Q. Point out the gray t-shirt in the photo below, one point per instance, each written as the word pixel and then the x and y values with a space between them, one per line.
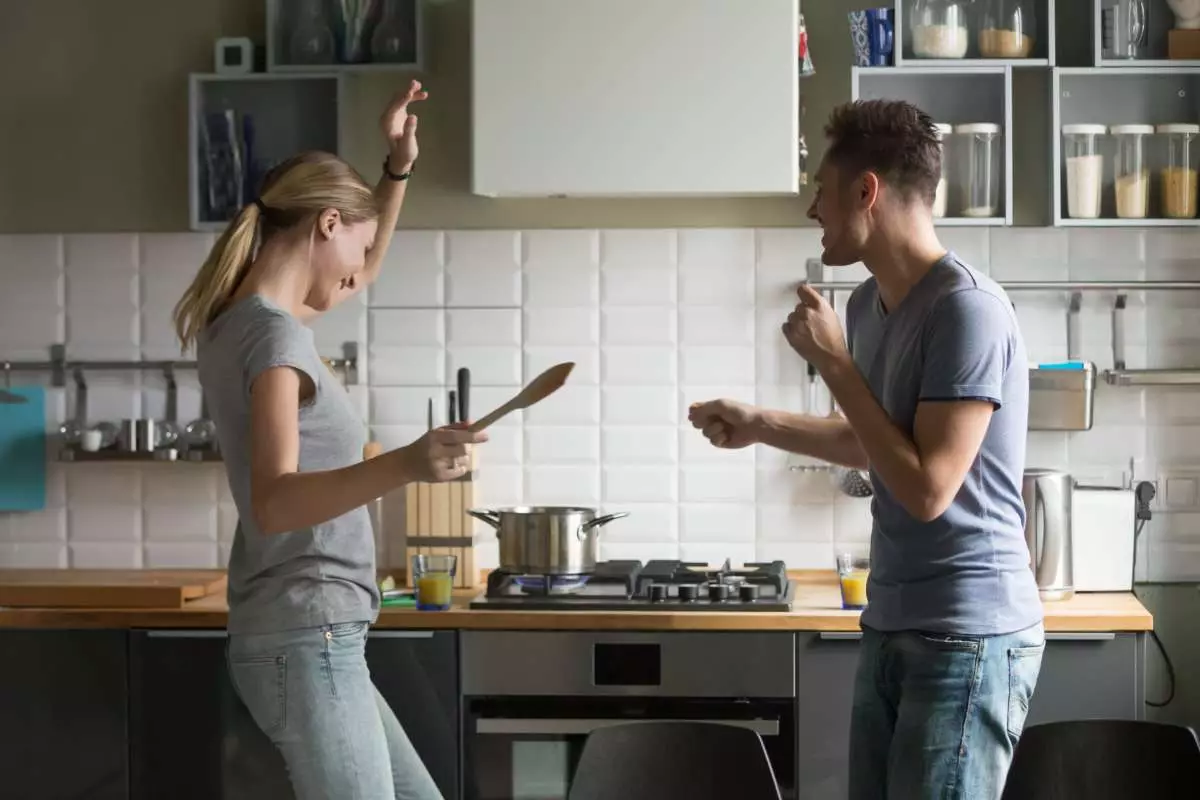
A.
pixel 305 578
pixel 953 337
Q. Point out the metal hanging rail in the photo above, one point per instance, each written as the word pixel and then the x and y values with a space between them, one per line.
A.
pixel 1051 286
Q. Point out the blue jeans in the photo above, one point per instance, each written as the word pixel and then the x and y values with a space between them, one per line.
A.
pixel 939 716
pixel 310 692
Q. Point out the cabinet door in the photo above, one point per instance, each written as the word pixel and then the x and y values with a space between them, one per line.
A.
pixel 417 673
pixel 635 97
pixel 825 668
pixel 192 739
pixel 1090 676
pixel 63 715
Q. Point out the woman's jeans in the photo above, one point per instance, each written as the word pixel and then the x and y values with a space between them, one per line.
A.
pixel 939 716
pixel 310 692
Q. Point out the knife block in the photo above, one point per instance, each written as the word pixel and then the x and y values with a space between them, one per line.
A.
pixel 436 523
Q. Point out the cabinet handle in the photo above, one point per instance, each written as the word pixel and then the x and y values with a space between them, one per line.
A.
pixel 840 636
pixel 401 634
pixel 580 727
pixel 1097 636
pixel 186 634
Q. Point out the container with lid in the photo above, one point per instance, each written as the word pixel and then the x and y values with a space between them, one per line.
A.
pixel 979 175
pixel 1131 171
pixel 1179 174
pixel 1084 169
pixel 1007 29
pixel 938 28
pixel 939 197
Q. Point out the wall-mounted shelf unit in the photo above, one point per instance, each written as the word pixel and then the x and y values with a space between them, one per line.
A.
pixel 239 126
pixel 1153 52
pixel 956 96
pixel 311 36
pixel 1111 96
pixel 918 45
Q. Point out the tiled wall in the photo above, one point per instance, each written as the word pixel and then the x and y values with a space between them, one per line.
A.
pixel 654 319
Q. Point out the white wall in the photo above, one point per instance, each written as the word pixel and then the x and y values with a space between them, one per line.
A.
pixel 655 319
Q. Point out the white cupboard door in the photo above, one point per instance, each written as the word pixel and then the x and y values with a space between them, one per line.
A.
pixel 635 97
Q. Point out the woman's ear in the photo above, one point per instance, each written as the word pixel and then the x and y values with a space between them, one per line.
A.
pixel 328 222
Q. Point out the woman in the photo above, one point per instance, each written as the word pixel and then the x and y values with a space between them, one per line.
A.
pixel 302 582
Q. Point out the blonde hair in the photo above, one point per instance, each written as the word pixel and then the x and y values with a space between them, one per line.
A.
pixel 293 194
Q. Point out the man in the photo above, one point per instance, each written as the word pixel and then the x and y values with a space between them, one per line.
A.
pixel 934 391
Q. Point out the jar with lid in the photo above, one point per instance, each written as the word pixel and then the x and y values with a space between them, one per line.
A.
pixel 1084 169
pixel 1007 29
pixel 938 28
pixel 939 197
pixel 1179 174
pixel 979 177
pixel 1131 170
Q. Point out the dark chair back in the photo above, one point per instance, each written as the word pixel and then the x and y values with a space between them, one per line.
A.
pixel 674 761
pixel 1105 760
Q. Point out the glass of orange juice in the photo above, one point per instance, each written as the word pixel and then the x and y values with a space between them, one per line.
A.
pixel 433 577
pixel 854 567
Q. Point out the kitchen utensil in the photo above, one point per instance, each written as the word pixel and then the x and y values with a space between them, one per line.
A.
pixel 23 451
pixel 1102 540
pixel 547 540
pixel 429 416
pixel 201 432
pixel 1061 396
pixel 464 394
pixel 1047 495
pixel 850 481
pixel 452 408
pixel 537 390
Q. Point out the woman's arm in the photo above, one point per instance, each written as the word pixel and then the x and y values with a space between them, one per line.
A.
pixel 285 499
pixel 400 130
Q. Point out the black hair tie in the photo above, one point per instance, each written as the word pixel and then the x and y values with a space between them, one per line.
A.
pixel 262 207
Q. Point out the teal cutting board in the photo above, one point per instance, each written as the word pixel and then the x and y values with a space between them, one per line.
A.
pixel 23 450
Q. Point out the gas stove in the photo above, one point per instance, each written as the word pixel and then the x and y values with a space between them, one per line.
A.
pixel 653 586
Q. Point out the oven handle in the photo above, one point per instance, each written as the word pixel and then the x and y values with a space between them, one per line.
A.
pixel 575 727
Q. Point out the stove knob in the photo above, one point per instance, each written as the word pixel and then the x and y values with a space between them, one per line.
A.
pixel 658 592
pixel 719 592
pixel 748 592
pixel 687 592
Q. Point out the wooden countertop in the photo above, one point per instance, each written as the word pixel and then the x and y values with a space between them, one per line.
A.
pixel 817 608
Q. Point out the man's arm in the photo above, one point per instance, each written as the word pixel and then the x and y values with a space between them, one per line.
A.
pixel 827 438
pixel 967 352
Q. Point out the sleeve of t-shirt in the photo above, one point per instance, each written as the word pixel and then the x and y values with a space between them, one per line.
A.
pixel 968 348
pixel 278 341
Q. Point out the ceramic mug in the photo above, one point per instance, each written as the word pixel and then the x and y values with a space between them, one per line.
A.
pixel 871 32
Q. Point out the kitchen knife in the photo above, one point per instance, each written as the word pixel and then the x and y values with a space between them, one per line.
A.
pixel 429 415
pixel 452 409
pixel 464 394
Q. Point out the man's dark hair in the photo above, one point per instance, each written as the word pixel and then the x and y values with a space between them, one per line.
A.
pixel 892 138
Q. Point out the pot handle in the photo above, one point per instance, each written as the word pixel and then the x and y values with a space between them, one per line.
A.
pixel 604 520
pixel 483 515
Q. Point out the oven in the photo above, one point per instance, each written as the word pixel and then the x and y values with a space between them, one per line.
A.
pixel 532 698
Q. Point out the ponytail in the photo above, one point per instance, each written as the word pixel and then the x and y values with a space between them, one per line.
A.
pixel 218 278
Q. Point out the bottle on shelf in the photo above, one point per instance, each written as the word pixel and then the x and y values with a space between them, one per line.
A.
pixel 979 173
pixel 394 40
pixel 1179 175
pixel 311 39
pixel 1084 168
pixel 1131 171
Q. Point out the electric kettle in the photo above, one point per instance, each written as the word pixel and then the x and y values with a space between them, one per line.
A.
pixel 1047 495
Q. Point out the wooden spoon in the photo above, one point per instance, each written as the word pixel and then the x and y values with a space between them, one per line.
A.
pixel 536 391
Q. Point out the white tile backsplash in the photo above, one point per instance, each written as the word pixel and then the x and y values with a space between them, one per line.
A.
pixel 655 319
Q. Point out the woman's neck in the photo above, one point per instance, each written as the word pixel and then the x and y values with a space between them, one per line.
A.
pixel 280 275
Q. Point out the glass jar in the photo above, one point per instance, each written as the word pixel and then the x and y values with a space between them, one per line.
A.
pixel 1007 29
pixel 1131 171
pixel 1179 174
pixel 394 39
pixel 1084 169
pixel 979 176
pixel 938 28
pixel 939 197
pixel 311 39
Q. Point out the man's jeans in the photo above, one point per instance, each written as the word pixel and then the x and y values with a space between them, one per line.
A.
pixel 309 690
pixel 938 717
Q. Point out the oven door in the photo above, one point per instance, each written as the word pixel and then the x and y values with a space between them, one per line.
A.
pixel 529 748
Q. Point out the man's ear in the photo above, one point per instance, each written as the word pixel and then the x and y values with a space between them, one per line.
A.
pixel 869 188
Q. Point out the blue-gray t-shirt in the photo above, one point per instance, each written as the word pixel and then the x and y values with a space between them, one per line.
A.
pixel 953 337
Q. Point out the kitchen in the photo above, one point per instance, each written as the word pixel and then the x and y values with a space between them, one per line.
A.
pixel 659 301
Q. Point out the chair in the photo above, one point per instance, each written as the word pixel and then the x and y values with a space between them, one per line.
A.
pixel 1105 760
pixel 674 761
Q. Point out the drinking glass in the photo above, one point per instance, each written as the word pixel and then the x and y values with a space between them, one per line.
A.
pixel 433 577
pixel 854 567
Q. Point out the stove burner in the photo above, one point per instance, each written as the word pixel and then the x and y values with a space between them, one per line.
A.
pixel 551 584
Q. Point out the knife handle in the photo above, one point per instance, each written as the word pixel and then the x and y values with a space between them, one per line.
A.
pixel 452 409
pixel 464 394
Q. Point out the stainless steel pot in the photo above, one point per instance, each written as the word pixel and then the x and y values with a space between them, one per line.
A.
pixel 547 540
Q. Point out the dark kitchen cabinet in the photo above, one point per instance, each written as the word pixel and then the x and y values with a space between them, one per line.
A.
pixel 191 737
pixel 1083 676
pixel 825 669
pixel 417 673
pixel 63 715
